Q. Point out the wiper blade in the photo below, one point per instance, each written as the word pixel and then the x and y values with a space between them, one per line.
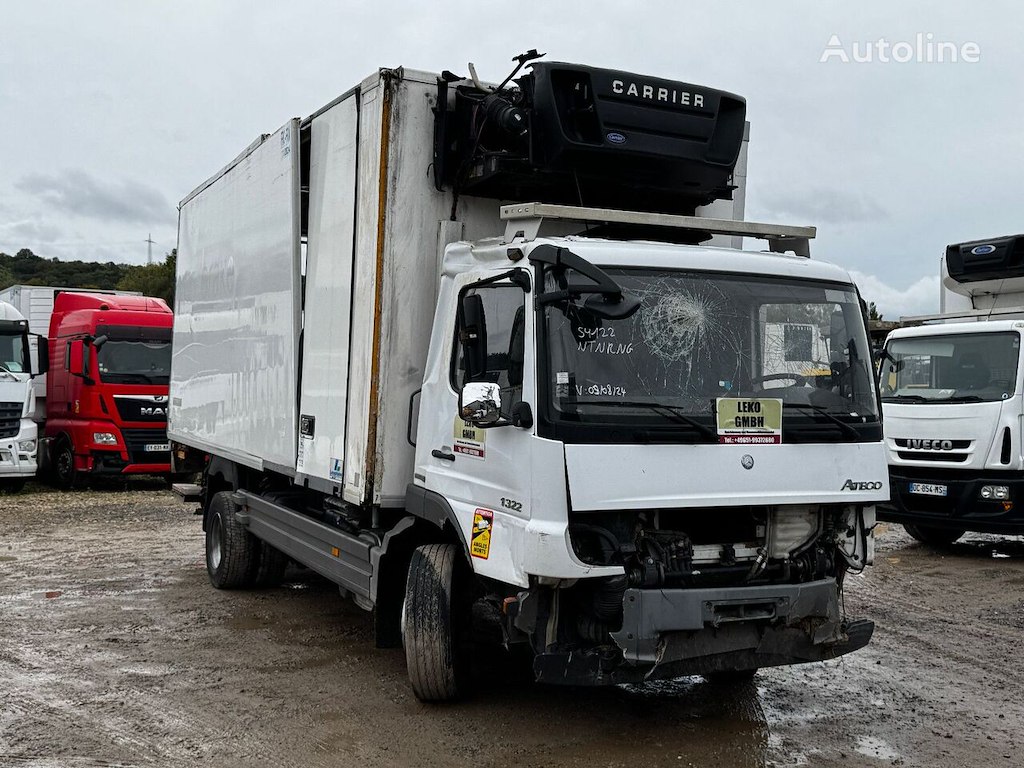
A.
pixel 906 399
pixel 848 429
pixel 669 410
pixel 961 399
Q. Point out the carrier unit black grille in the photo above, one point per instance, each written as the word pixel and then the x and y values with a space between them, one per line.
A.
pixel 994 259
pixel 136 441
pixel 10 419
pixel 579 135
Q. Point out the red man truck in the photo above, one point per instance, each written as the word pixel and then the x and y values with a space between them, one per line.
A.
pixel 106 391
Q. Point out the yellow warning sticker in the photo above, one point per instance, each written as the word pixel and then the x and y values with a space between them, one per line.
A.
pixel 480 536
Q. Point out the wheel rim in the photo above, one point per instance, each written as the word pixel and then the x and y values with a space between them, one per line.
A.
pixel 65 464
pixel 215 544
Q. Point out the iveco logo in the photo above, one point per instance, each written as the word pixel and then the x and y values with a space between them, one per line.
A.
pixel 982 250
pixel 930 445
pixel 856 485
pixel 154 411
pixel 616 138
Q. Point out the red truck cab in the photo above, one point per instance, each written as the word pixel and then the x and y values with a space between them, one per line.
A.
pixel 106 391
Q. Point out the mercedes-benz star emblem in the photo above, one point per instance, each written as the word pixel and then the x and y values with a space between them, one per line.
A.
pixel 747 461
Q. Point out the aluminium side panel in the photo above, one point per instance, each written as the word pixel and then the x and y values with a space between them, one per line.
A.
pixel 237 309
pixel 364 291
pixel 328 298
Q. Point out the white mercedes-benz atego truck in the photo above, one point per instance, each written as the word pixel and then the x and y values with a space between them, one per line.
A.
pixel 460 349
pixel 953 396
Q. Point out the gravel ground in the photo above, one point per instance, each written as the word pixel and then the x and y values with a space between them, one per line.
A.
pixel 115 650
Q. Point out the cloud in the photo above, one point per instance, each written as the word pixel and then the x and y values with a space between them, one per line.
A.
pixel 79 193
pixel 821 204
pixel 34 230
pixel 920 298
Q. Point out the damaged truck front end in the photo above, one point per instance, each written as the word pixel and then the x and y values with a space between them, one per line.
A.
pixel 687 605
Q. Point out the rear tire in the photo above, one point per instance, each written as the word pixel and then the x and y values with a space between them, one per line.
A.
pixel 231 551
pixel 436 622
pixel 271 564
pixel 937 537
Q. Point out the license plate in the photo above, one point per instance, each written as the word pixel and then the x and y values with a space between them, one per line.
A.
pixel 928 489
pixel 157 447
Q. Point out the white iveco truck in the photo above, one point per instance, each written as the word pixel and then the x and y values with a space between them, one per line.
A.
pixel 19 442
pixel 553 422
pixel 954 407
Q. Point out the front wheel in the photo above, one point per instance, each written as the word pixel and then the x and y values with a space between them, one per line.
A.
pixel 64 473
pixel 937 537
pixel 17 485
pixel 435 622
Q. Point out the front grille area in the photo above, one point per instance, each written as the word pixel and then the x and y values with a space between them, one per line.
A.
pixel 952 451
pixel 925 456
pixel 10 419
pixel 136 440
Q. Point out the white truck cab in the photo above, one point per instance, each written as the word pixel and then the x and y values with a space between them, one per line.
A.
pixel 568 424
pixel 953 395
pixel 18 433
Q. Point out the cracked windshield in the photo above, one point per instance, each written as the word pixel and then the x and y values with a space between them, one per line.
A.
pixel 702 336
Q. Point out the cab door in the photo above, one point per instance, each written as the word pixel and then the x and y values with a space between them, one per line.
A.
pixel 484 473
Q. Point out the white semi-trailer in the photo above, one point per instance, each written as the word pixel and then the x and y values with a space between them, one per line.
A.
pixel 554 420
pixel 953 396
pixel 19 443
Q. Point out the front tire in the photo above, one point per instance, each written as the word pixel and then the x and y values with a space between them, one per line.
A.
pixel 435 622
pixel 937 537
pixel 231 551
pixel 17 485
pixel 64 474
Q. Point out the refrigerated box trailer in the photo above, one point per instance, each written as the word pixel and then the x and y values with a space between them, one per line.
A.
pixel 548 418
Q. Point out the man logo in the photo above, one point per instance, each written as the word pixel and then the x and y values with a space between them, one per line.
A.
pixel 154 411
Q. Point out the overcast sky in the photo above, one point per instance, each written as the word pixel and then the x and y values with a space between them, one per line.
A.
pixel 113 111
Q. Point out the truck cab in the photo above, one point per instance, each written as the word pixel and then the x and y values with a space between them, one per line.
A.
pixel 953 393
pixel 18 432
pixel 106 393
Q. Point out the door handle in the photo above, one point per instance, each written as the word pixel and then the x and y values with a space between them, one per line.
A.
pixel 442 455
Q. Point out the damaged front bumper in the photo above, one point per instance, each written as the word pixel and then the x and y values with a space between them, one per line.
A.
pixel 670 633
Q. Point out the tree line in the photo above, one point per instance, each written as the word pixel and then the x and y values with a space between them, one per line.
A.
pixel 26 268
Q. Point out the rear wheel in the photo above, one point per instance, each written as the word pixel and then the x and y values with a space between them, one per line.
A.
pixel 270 566
pixel 231 551
pixel 436 622
pixel 937 537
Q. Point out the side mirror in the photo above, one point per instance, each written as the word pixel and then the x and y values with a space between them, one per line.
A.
pixel 473 335
pixel 480 404
pixel 78 360
pixel 42 356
